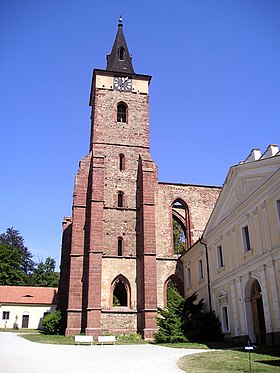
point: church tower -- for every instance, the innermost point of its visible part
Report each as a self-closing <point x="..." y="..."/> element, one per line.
<point x="112" y="276"/>
<point x="121" y="246"/>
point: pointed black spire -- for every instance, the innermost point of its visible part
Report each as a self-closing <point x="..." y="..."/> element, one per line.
<point x="119" y="59"/>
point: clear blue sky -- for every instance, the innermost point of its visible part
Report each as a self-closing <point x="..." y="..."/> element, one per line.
<point x="215" y="94"/>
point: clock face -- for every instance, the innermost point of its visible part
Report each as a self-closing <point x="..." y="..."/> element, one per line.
<point x="123" y="84"/>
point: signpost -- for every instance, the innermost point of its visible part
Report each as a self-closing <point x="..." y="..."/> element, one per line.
<point x="250" y="348"/>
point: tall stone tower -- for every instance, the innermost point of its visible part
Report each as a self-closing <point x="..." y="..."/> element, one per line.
<point x="117" y="249"/>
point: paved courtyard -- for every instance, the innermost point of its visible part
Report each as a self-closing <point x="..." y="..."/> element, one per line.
<point x="18" y="355"/>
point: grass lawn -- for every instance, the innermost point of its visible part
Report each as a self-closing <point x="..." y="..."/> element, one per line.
<point x="205" y="346"/>
<point x="264" y="360"/>
<point x="18" y="331"/>
<point x="69" y="340"/>
<point x="50" y="339"/>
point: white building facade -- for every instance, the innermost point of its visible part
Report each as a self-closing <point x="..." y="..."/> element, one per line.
<point x="240" y="252"/>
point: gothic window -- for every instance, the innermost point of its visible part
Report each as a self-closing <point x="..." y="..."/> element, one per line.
<point x="120" y="199"/>
<point x="172" y="283"/>
<point x="181" y="227"/>
<point x="121" y="292"/>
<point x="122" y="112"/>
<point x="121" y="162"/>
<point x="120" y="246"/>
<point x="121" y="51"/>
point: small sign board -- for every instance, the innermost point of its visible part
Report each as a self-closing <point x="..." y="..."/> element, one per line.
<point x="249" y="348"/>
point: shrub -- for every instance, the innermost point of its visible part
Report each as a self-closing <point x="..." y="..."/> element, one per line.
<point x="130" y="338"/>
<point x="200" y="325"/>
<point x="52" y="323"/>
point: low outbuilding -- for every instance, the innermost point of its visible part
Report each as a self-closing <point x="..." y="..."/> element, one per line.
<point x="25" y="307"/>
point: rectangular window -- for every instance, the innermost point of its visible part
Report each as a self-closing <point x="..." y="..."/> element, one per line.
<point x="246" y="238"/>
<point x="189" y="278"/>
<point x="278" y="209"/>
<point x="200" y="270"/>
<point x="6" y="315"/>
<point x="220" y="258"/>
<point x="225" y="323"/>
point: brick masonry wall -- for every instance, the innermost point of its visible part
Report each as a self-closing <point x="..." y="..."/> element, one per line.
<point x="144" y="222"/>
<point x="122" y="322"/>
<point x="200" y="201"/>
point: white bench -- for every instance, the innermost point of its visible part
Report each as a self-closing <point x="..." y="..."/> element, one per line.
<point x="84" y="339"/>
<point x="106" y="339"/>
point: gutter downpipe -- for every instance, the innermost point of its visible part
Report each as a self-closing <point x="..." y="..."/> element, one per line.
<point x="208" y="274"/>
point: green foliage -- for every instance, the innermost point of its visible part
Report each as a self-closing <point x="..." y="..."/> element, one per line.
<point x="186" y="320"/>
<point x="45" y="275"/>
<point x="170" y="320"/>
<point x="17" y="266"/>
<point x="130" y="338"/>
<point x="52" y="323"/>
<point x="13" y="238"/>
<point x="200" y="325"/>
<point x="179" y="238"/>
<point x="116" y="302"/>
<point x="11" y="263"/>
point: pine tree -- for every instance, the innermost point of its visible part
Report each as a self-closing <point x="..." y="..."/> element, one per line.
<point x="170" y="320"/>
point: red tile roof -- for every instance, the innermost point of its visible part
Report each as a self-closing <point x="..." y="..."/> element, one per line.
<point x="28" y="295"/>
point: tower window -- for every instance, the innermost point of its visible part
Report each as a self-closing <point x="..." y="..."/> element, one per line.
<point x="121" y="53"/>
<point x="122" y="113"/>
<point x="120" y="199"/>
<point x="121" y="162"/>
<point x="120" y="246"/>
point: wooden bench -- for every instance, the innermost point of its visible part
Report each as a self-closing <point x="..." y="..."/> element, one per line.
<point x="84" y="339"/>
<point x="106" y="339"/>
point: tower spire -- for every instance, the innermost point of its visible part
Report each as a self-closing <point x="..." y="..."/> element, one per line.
<point x="119" y="60"/>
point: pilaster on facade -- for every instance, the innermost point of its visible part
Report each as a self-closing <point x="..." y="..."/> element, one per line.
<point x="266" y="226"/>
<point x="257" y="231"/>
<point x="234" y="308"/>
<point x="270" y="272"/>
<point x="265" y="297"/>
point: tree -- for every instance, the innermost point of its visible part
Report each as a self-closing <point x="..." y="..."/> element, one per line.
<point x="186" y="320"/>
<point x="13" y="238"/>
<point x="45" y="275"/>
<point x="170" y="320"/>
<point x="199" y="324"/>
<point x="11" y="264"/>
<point x="179" y="238"/>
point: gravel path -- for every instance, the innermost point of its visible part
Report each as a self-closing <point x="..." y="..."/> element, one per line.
<point x="18" y="355"/>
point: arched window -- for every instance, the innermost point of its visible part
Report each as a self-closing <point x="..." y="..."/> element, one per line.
<point x="121" y="162"/>
<point x="121" y="51"/>
<point x="181" y="227"/>
<point x="120" y="292"/>
<point x="172" y="283"/>
<point x="120" y="246"/>
<point x="122" y="113"/>
<point x="120" y="199"/>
